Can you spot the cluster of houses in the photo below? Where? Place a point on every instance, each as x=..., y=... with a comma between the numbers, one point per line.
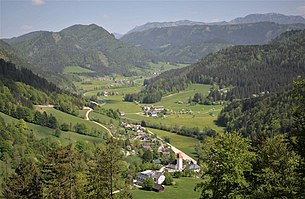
x=159, y=177
x=173, y=166
x=152, y=111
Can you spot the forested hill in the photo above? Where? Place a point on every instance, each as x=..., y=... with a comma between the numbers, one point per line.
x=7, y=53
x=88, y=46
x=247, y=70
x=188, y=44
x=21, y=89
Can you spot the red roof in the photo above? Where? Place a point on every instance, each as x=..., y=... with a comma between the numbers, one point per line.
x=179, y=155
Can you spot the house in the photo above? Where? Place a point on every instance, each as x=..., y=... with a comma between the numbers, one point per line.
x=158, y=109
x=152, y=114
x=194, y=167
x=156, y=161
x=156, y=175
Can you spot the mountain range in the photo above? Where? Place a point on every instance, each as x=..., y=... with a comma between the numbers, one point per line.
x=188, y=44
x=88, y=46
x=93, y=47
x=252, y=18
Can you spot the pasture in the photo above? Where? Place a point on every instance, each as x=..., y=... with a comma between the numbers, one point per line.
x=183, y=189
x=73, y=120
x=185, y=144
x=76, y=70
x=44, y=132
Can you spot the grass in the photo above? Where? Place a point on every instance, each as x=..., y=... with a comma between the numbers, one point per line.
x=67, y=118
x=82, y=113
x=183, y=189
x=185, y=144
x=119, y=91
x=203, y=115
x=76, y=70
x=44, y=132
x=102, y=118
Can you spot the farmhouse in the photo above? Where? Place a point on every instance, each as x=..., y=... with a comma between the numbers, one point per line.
x=152, y=111
x=156, y=175
x=194, y=167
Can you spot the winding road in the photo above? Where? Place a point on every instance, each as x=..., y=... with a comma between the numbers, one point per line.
x=87, y=118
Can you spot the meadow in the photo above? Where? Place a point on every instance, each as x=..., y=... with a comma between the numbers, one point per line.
x=76, y=70
x=184, y=188
x=70, y=119
x=44, y=132
x=185, y=144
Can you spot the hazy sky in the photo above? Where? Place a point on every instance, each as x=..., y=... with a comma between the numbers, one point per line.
x=22, y=16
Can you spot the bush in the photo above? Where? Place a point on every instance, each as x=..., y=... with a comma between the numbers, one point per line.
x=148, y=184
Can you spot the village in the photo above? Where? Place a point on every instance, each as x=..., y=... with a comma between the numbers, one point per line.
x=170, y=159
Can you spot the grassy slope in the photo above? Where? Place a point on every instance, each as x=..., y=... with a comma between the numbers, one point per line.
x=183, y=189
x=185, y=144
x=76, y=70
x=102, y=118
x=67, y=118
x=43, y=132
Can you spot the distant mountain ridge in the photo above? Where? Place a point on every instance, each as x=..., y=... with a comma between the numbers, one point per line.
x=251, y=18
x=88, y=46
x=270, y=17
x=188, y=44
x=151, y=25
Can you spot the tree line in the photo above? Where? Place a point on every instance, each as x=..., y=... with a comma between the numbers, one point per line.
x=32, y=168
x=247, y=70
x=266, y=163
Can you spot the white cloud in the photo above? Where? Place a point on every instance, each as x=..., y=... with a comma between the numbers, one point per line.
x=26, y=27
x=37, y=2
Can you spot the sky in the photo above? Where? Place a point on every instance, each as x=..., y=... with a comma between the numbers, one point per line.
x=18, y=17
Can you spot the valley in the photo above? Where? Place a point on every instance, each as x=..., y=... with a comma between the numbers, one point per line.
x=171, y=109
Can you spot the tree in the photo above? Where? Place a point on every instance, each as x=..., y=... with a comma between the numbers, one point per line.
x=298, y=127
x=57, y=133
x=147, y=156
x=25, y=182
x=105, y=175
x=226, y=160
x=167, y=139
x=59, y=170
x=276, y=176
x=148, y=184
x=168, y=179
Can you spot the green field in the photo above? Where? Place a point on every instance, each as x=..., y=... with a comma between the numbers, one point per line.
x=185, y=144
x=76, y=70
x=202, y=115
x=184, y=190
x=82, y=113
x=103, y=119
x=43, y=132
x=67, y=118
x=157, y=68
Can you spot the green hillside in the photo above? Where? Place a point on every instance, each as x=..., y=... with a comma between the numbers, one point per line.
x=247, y=69
x=188, y=44
x=88, y=46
